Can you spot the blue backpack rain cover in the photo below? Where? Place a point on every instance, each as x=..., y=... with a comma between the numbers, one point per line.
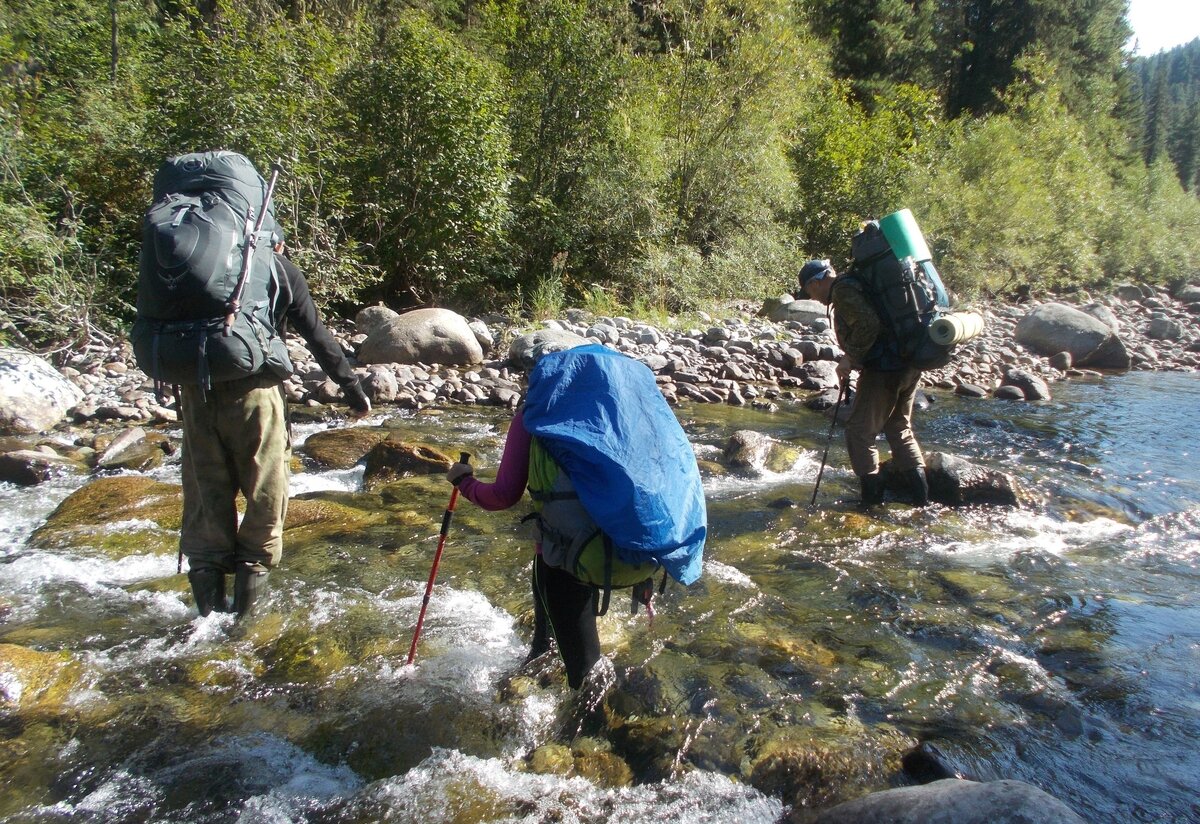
x=602, y=418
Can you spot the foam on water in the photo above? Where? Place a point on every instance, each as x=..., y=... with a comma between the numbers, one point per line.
x=1014, y=531
x=450, y=786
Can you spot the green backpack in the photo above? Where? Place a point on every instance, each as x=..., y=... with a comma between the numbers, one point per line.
x=194, y=239
x=569, y=538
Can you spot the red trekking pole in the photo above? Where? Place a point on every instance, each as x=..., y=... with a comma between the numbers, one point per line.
x=437, y=557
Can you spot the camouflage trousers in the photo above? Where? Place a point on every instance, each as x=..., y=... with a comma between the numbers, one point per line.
x=883, y=403
x=235, y=439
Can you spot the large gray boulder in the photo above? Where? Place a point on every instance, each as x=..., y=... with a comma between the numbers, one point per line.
x=372, y=318
x=33, y=395
x=954, y=801
x=785, y=308
x=1055, y=327
x=525, y=350
x=421, y=336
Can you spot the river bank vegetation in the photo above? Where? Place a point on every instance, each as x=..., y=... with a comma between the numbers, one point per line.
x=654, y=156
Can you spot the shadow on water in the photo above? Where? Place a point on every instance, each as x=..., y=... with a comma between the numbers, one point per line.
x=1056, y=644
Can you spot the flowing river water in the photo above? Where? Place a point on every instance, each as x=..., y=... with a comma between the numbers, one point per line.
x=1058, y=643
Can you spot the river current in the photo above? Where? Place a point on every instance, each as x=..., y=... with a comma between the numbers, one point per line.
x=1057, y=643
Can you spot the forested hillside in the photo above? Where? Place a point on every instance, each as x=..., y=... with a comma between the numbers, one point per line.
x=656, y=156
x=1170, y=89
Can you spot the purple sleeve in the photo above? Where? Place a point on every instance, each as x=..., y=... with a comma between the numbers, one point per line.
x=511, y=477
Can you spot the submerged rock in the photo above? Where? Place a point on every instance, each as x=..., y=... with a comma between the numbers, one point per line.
x=954, y=801
x=83, y=518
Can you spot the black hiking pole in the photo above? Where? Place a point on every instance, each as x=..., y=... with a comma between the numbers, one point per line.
x=828, y=440
x=234, y=304
x=437, y=557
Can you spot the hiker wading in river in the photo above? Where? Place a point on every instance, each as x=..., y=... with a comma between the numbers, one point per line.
x=215, y=296
x=886, y=387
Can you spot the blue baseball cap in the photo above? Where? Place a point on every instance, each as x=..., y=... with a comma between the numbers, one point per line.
x=814, y=270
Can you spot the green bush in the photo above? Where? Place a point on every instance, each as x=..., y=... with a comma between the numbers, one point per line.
x=430, y=160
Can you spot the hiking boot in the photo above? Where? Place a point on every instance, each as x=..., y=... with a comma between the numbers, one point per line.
x=872, y=489
x=917, y=485
x=208, y=588
x=249, y=583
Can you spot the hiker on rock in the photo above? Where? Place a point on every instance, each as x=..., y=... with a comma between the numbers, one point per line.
x=886, y=387
x=215, y=299
x=616, y=494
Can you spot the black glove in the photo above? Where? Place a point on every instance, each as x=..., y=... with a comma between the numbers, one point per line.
x=459, y=471
x=357, y=399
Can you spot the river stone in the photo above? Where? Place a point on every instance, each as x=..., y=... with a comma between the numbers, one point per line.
x=33, y=395
x=818, y=374
x=1164, y=329
x=483, y=335
x=1129, y=291
x=970, y=390
x=373, y=318
x=748, y=450
x=1190, y=293
x=954, y=801
x=1056, y=327
x=1008, y=392
x=422, y=336
x=380, y=384
x=1062, y=361
x=29, y=467
x=525, y=350
x=392, y=459
x=955, y=481
x=1032, y=387
x=342, y=448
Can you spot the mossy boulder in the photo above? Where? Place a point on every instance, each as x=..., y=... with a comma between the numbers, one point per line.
x=37, y=682
x=342, y=448
x=807, y=771
x=392, y=459
x=752, y=452
x=85, y=517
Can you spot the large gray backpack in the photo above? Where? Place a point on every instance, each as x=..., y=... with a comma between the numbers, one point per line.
x=194, y=237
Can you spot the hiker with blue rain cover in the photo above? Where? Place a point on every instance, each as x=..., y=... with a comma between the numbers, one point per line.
x=215, y=298
x=616, y=494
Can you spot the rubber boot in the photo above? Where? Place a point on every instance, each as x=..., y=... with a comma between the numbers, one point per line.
x=208, y=588
x=872, y=489
x=917, y=485
x=249, y=583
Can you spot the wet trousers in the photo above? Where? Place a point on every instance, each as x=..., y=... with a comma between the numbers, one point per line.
x=235, y=439
x=569, y=607
x=883, y=403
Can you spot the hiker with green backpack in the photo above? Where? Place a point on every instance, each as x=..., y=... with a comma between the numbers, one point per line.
x=616, y=494
x=883, y=309
x=215, y=298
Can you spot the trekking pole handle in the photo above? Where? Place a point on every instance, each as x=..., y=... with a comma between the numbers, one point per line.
x=234, y=305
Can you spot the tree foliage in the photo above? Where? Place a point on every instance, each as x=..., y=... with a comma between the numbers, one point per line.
x=662, y=154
